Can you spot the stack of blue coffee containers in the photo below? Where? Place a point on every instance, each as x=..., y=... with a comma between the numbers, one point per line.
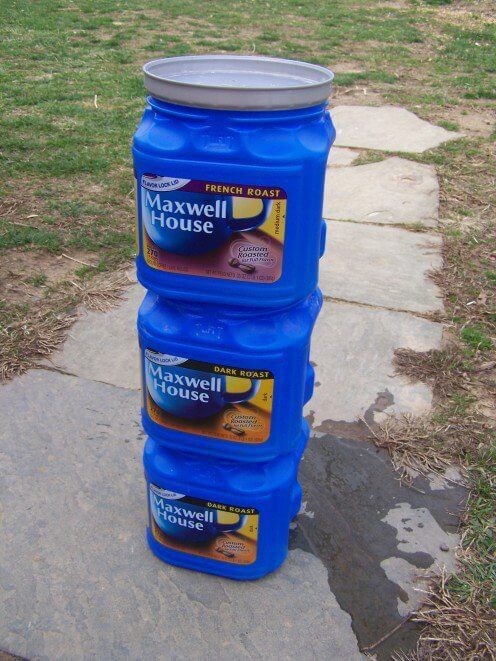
x=230, y=158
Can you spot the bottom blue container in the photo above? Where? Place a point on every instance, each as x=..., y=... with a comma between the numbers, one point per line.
x=221, y=517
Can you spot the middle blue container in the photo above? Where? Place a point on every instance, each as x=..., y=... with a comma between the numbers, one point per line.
x=220, y=383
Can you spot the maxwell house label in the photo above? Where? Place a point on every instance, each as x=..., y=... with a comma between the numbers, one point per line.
x=229, y=403
x=212, y=229
x=223, y=532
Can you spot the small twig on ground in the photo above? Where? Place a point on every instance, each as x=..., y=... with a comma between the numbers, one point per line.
x=79, y=261
x=15, y=222
x=388, y=634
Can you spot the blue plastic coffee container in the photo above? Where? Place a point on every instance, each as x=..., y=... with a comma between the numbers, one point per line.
x=225, y=384
x=230, y=159
x=221, y=517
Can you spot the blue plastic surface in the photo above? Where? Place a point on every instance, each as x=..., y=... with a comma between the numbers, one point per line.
x=244, y=419
x=283, y=151
x=189, y=496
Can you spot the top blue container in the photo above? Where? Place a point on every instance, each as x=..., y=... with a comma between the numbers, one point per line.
x=230, y=159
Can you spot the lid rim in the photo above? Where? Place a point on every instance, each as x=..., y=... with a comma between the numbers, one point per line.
x=243, y=89
x=237, y=108
x=315, y=91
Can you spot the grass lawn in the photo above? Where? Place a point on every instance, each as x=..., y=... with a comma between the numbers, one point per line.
x=71, y=92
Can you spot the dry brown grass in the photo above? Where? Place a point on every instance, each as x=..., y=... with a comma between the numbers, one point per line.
x=457, y=629
x=467, y=291
x=29, y=336
x=458, y=613
x=441, y=369
x=421, y=445
x=30, y=333
x=434, y=442
x=101, y=293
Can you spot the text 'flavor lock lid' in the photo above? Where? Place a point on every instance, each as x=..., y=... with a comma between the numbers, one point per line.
x=237, y=82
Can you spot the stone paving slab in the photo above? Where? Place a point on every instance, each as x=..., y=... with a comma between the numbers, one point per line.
x=392, y=191
x=73, y=535
x=104, y=347
x=386, y=128
x=352, y=345
x=379, y=539
x=339, y=157
x=76, y=578
x=352, y=349
x=384, y=266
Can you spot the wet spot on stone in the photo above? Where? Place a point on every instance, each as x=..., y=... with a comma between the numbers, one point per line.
x=351, y=488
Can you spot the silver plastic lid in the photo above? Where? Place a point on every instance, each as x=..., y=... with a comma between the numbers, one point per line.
x=237, y=82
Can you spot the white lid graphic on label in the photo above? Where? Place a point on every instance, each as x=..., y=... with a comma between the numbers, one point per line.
x=156, y=182
x=163, y=358
x=164, y=493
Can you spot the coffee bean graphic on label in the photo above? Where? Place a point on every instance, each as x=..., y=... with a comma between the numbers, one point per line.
x=222, y=551
x=246, y=268
x=234, y=430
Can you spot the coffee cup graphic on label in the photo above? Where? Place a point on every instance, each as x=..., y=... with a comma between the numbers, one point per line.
x=190, y=223
x=185, y=392
x=185, y=521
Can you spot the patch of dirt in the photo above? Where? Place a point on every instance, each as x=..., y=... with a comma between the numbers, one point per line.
x=485, y=396
x=469, y=11
x=475, y=119
x=27, y=208
x=24, y=275
x=130, y=15
x=347, y=67
x=395, y=4
x=358, y=95
x=481, y=121
x=186, y=29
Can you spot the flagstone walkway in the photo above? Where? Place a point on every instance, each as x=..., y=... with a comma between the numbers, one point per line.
x=76, y=578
